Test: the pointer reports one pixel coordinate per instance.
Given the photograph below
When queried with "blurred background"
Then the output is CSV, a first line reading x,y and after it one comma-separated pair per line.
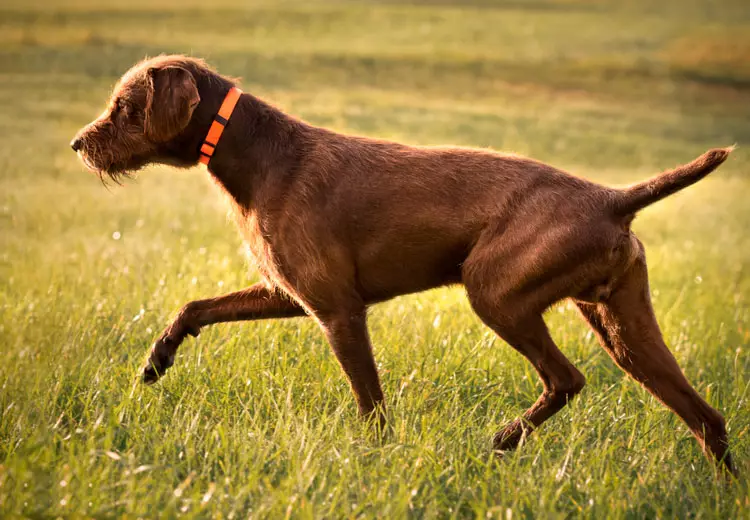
x,y
258,416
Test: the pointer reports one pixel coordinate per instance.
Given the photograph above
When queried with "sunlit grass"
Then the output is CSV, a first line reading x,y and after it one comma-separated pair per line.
x,y
256,419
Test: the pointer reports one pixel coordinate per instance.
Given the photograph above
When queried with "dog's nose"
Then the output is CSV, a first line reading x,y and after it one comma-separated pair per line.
x,y
75,144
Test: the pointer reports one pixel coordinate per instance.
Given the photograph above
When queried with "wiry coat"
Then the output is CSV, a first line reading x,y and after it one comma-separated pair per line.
x,y
337,222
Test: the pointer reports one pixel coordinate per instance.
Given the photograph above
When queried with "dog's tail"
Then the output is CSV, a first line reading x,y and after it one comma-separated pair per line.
x,y
632,199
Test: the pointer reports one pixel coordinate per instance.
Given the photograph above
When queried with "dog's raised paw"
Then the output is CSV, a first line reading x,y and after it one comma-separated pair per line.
x,y
155,367
150,375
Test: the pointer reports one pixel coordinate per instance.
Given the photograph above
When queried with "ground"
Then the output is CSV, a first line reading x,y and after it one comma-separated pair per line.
x,y
257,419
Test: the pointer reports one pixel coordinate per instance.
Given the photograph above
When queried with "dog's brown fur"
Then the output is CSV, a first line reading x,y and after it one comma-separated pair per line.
x,y
337,222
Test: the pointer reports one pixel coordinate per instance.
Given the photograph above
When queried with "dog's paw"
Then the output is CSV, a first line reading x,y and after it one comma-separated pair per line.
x,y
158,362
510,437
164,350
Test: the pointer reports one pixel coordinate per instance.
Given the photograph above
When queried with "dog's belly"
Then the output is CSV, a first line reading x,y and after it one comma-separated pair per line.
x,y
411,239
403,263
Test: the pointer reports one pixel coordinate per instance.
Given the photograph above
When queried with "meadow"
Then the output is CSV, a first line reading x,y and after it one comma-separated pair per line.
x,y
256,420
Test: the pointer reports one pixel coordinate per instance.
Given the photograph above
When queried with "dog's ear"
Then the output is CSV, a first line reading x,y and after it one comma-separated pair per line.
x,y
170,101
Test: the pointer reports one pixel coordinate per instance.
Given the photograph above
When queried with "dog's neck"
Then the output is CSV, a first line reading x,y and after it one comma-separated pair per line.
x,y
259,148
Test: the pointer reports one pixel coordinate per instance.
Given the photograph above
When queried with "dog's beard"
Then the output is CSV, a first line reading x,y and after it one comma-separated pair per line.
x,y
111,170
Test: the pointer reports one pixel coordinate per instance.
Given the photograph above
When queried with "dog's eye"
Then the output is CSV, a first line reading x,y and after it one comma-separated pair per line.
x,y
123,107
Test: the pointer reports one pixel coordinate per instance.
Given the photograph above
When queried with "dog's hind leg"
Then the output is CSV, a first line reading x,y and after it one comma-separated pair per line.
x,y
561,379
628,331
510,305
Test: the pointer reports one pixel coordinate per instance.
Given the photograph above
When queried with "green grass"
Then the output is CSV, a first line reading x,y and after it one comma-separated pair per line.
x,y
257,419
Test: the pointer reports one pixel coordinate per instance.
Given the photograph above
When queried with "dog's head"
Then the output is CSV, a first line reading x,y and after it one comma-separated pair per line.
x,y
152,105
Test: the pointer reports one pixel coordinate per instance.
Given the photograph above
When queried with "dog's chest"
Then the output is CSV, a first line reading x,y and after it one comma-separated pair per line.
x,y
293,265
258,248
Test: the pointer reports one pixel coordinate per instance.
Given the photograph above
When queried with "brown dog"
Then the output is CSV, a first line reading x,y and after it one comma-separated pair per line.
x,y
338,222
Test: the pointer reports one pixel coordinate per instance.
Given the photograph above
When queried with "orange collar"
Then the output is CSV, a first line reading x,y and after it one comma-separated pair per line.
x,y
217,127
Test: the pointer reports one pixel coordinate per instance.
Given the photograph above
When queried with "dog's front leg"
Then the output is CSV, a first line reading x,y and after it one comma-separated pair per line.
x,y
347,333
254,303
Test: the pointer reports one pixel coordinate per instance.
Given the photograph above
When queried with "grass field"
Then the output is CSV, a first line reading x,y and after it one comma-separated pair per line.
x,y
256,420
